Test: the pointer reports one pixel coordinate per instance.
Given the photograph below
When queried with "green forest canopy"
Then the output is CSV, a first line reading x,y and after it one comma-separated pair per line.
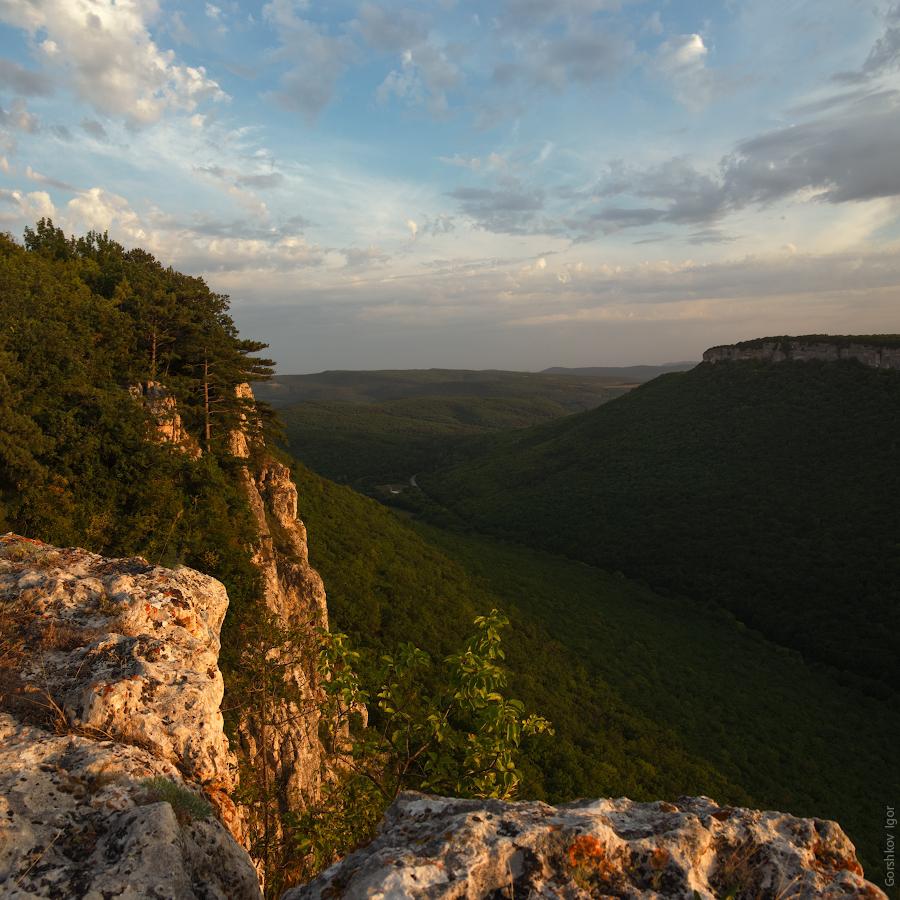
x,y
81,320
767,488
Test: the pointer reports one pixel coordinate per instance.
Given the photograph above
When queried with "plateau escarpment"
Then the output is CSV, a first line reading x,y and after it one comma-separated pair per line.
x,y
879,351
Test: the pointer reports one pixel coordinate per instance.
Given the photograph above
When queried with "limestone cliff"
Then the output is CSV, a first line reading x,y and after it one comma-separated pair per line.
x,y
279,734
438,847
877,351
279,747
163,409
115,772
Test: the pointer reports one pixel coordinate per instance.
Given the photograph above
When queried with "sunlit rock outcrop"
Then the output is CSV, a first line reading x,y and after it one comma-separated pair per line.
x,y
115,772
436,847
279,734
163,409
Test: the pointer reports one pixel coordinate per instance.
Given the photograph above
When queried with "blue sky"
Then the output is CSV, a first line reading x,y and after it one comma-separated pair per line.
x,y
509,184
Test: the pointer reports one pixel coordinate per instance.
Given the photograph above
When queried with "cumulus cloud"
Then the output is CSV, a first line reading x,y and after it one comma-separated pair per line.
x,y
101,210
18,118
201,246
105,52
28,207
316,59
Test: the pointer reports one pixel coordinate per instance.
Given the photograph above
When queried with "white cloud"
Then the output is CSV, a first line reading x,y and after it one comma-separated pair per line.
x,y
681,60
101,210
105,52
413,228
30,206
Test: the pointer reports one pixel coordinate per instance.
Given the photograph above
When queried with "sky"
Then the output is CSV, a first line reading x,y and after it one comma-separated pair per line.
x,y
497,184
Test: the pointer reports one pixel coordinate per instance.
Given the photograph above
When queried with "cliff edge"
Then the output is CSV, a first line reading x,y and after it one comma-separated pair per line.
x,y
439,847
115,772
878,351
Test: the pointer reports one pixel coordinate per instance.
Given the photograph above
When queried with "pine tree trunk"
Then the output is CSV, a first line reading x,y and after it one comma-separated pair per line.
x,y
153,354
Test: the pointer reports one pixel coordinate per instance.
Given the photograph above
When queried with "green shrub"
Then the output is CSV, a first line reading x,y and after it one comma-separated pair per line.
x,y
187,806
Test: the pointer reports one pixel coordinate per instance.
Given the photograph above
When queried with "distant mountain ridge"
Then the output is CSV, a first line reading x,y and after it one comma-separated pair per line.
x,y
570,389
633,374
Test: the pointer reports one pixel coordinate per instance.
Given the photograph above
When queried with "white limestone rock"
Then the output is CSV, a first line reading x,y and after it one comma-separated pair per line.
x,y
115,771
436,847
124,649
85,818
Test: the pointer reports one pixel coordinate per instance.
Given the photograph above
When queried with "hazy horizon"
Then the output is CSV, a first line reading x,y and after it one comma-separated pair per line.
x,y
453,184
489,368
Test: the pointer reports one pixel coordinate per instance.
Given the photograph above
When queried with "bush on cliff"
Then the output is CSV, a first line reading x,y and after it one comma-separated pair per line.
x,y
452,733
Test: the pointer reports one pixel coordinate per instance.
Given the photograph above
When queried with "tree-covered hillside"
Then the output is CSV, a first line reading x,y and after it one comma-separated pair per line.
x,y
770,490
82,320
570,391
370,429
650,696
371,444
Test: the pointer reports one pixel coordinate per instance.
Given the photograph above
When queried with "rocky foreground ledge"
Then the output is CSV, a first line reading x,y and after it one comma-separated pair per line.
x,y
438,847
115,772
116,777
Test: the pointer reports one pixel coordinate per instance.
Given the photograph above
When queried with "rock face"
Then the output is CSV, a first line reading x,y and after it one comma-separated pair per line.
x,y
295,595
283,738
868,351
163,408
435,847
115,771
